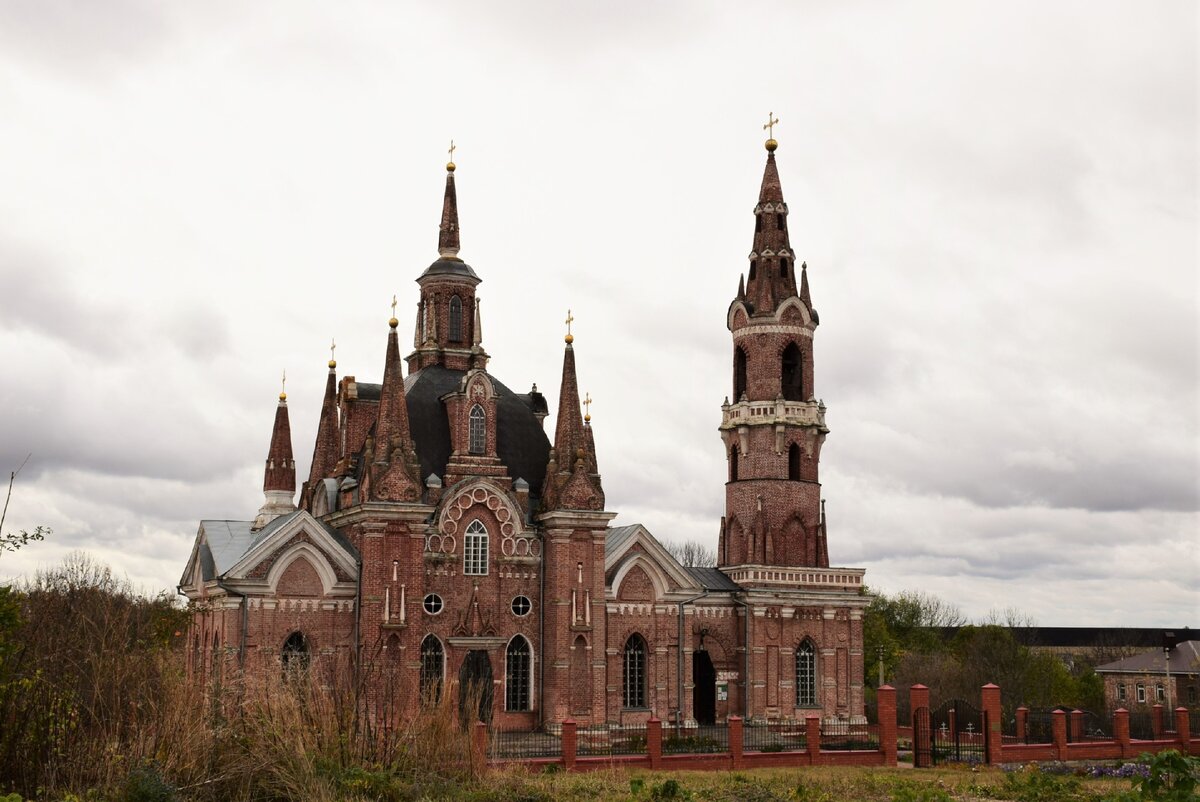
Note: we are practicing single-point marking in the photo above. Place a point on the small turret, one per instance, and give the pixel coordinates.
(279, 477)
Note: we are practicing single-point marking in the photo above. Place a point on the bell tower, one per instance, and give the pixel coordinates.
(772, 424)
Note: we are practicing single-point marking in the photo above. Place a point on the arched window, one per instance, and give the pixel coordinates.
(739, 374)
(792, 373)
(634, 678)
(806, 675)
(783, 268)
(455, 319)
(794, 463)
(757, 223)
(433, 667)
(295, 655)
(517, 674)
(733, 464)
(779, 222)
(753, 268)
(478, 430)
(475, 549)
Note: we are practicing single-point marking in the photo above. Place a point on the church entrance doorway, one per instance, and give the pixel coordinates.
(475, 688)
(704, 694)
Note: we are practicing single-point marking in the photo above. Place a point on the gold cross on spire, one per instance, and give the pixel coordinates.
(587, 406)
(332, 347)
(283, 387)
(772, 121)
(452, 149)
(393, 306)
(570, 319)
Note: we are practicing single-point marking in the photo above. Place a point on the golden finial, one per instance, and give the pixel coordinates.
(587, 407)
(450, 164)
(772, 121)
(393, 322)
(332, 348)
(283, 388)
(570, 319)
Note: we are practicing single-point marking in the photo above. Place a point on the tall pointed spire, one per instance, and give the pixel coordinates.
(568, 433)
(394, 472)
(325, 452)
(572, 481)
(772, 277)
(448, 243)
(279, 476)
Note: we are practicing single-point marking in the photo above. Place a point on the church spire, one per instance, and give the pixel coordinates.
(568, 433)
(279, 476)
(448, 243)
(772, 277)
(572, 480)
(394, 475)
(325, 452)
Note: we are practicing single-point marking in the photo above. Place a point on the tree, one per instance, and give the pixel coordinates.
(692, 554)
(11, 541)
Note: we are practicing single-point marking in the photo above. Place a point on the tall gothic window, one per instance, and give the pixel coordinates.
(733, 464)
(295, 654)
(634, 678)
(517, 673)
(433, 667)
(475, 549)
(739, 374)
(794, 463)
(478, 430)
(455, 319)
(806, 675)
(793, 373)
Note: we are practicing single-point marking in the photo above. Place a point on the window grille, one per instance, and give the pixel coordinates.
(432, 666)
(455, 319)
(806, 675)
(516, 675)
(475, 550)
(521, 605)
(634, 685)
(478, 430)
(433, 603)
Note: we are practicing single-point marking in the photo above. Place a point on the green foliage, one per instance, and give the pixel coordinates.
(919, 792)
(1173, 777)
(669, 790)
(1034, 785)
(145, 783)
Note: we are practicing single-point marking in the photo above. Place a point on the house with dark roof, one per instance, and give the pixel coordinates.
(445, 543)
(1167, 676)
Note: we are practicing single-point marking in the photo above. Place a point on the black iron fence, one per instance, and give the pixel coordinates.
(1092, 727)
(1141, 726)
(843, 736)
(704, 739)
(776, 736)
(604, 741)
(514, 745)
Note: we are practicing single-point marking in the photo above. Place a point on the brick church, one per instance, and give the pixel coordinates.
(443, 543)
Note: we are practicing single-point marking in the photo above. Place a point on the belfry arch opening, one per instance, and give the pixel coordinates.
(739, 374)
(792, 373)
(794, 463)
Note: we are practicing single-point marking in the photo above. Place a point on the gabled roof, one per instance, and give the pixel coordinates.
(712, 579)
(620, 556)
(1185, 659)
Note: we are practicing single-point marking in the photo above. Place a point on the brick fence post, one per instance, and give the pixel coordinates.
(479, 745)
(812, 734)
(1156, 721)
(654, 741)
(885, 695)
(1059, 728)
(570, 743)
(1022, 723)
(1182, 727)
(1076, 725)
(1121, 730)
(736, 742)
(993, 717)
(918, 702)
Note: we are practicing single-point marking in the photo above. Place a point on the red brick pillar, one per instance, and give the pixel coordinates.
(1022, 723)
(479, 746)
(570, 743)
(736, 736)
(1156, 721)
(654, 741)
(918, 701)
(1059, 723)
(1182, 725)
(885, 696)
(994, 717)
(1077, 725)
(812, 734)
(1121, 730)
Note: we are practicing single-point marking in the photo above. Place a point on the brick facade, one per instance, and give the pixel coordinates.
(443, 543)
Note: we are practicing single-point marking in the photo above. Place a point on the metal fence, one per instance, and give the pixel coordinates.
(1141, 726)
(520, 745)
(1039, 727)
(775, 736)
(704, 739)
(1094, 727)
(604, 741)
(843, 738)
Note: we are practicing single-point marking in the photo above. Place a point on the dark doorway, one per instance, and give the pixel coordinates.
(475, 688)
(704, 694)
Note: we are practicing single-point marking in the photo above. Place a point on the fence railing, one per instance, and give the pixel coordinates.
(1141, 726)
(605, 741)
(774, 736)
(521, 745)
(705, 739)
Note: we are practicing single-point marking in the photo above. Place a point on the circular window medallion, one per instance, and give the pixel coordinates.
(521, 606)
(433, 604)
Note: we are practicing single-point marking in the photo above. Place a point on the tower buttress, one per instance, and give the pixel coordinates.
(774, 428)
(394, 471)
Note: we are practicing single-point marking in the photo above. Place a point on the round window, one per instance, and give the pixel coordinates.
(521, 605)
(433, 604)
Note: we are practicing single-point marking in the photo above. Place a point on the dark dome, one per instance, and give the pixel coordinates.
(521, 443)
(450, 267)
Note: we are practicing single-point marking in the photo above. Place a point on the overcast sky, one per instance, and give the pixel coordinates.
(997, 203)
